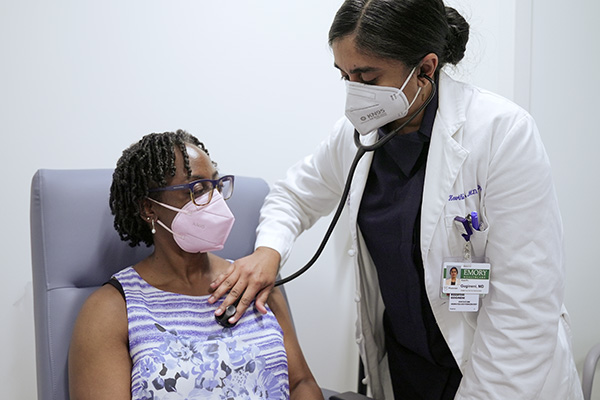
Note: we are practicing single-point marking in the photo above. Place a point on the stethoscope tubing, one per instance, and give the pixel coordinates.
(361, 150)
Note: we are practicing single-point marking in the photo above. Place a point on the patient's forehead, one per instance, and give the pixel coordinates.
(200, 164)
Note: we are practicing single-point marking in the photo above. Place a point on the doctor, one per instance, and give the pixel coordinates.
(468, 151)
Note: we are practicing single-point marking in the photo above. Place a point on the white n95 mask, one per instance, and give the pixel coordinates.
(370, 107)
(198, 229)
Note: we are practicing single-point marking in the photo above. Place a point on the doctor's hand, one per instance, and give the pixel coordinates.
(253, 276)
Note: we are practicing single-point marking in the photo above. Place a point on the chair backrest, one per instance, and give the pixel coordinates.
(75, 249)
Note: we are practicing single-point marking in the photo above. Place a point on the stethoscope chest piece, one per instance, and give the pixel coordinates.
(223, 319)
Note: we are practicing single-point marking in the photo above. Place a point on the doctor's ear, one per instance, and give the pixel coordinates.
(428, 66)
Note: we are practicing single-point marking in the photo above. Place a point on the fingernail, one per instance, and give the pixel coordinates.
(218, 311)
(211, 299)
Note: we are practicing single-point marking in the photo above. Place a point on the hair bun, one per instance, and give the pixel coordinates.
(458, 35)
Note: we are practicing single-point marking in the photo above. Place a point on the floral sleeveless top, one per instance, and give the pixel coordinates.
(179, 351)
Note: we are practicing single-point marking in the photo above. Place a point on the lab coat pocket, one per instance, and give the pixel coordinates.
(456, 242)
(479, 241)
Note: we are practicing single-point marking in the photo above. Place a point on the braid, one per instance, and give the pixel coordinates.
(142, 166)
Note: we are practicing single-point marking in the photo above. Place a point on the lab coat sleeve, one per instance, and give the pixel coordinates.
(516, 335)
(310, 190)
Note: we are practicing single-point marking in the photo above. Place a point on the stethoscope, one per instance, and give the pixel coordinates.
(361, 151)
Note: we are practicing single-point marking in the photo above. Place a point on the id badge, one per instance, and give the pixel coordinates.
(463, 302)
(466, 278)
(464, 283)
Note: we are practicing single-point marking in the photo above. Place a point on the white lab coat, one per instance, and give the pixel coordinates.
(486, 156)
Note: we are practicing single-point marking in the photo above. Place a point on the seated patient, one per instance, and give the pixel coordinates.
(151, 333)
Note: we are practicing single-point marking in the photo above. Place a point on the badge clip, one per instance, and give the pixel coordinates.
(467, 224)
(466, 227)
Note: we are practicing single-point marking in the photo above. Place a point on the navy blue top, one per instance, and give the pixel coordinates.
(389, 219)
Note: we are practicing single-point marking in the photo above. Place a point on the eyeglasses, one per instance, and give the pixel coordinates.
(202, 187)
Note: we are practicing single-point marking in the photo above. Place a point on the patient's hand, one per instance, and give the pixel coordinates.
(253, 275)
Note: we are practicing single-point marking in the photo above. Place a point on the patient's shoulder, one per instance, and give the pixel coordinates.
(104, 310)
(99, 350)
(106, 298)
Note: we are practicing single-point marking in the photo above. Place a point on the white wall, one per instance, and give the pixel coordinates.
(80, 81)
(564, 100)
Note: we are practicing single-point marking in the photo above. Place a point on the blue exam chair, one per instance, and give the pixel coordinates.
(75, 249)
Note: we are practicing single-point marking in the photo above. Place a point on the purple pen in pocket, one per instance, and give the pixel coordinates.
(475, 220)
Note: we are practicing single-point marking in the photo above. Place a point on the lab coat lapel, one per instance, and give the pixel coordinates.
(444, 160)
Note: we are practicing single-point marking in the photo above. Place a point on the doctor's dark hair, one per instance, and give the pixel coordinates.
(145, 165)
(403, 30)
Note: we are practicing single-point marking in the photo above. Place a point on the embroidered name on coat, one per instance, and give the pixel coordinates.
(462, 196)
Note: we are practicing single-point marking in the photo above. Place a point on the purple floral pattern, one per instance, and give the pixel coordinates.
(223, 367)
(180, 352)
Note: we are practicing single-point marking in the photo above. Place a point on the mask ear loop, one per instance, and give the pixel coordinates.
(416, 97)
(406, 83)
(159, 221)
(168, 206)
(408, 78)
(166, 227)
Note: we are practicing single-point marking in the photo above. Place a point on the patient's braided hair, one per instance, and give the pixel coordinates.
(145, 165)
